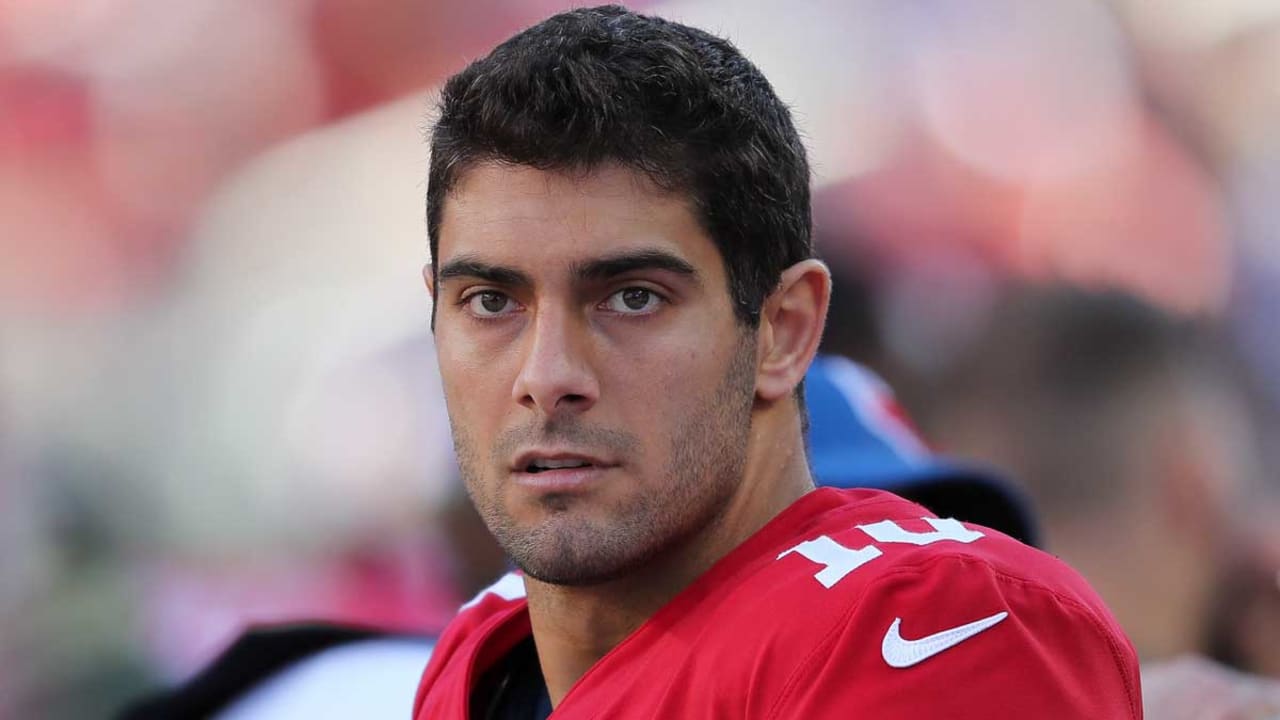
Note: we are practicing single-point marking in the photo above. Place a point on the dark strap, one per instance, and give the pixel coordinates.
(259, 654)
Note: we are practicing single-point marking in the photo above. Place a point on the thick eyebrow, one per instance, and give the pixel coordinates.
(612, 266)
(471, 267)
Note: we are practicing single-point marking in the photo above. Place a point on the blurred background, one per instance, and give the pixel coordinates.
(1055, 227)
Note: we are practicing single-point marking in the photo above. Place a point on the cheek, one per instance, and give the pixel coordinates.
(674, 368)
(645, 375)
(470, 369)
(655, 384)
(452, 380)
(470, 397)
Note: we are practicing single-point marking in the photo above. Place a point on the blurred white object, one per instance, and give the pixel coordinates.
(303, 338)
(370, 679)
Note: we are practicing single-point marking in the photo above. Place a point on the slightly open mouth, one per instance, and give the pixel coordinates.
(539, 466)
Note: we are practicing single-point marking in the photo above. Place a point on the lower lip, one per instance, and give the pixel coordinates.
(561, 479)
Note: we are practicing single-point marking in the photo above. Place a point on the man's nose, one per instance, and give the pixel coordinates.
(556, 375)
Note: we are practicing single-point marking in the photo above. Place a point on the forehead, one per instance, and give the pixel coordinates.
(522, 215)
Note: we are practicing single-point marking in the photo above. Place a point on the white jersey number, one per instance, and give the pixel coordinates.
(837, 561)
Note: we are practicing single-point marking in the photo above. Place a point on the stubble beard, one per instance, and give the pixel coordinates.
(708, 457)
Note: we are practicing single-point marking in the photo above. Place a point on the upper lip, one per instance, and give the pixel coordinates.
(526, 458)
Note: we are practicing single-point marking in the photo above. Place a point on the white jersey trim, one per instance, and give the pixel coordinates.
(508, 587)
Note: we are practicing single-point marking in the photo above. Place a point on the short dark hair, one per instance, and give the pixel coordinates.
(600, 85)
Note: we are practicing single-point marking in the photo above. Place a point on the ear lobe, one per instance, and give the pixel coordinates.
(791, 323)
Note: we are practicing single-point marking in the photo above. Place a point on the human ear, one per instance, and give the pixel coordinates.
(429, 277)
(791, 323)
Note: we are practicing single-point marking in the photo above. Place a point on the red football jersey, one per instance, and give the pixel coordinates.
(849, 604)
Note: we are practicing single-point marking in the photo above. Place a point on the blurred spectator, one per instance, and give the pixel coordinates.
(1131, 433)
(1245, 630)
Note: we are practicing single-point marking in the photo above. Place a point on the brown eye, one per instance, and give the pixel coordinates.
(490, 303)
(633, 301)
(636, 298)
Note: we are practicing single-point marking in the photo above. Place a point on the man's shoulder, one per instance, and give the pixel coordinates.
(861, 538)
(883, 590)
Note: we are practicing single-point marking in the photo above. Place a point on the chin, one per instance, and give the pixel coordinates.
(558, 572)
(559, 554)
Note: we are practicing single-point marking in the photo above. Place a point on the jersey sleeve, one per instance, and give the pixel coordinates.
(955, 638)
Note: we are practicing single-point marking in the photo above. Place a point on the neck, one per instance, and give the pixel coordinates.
(574, 627)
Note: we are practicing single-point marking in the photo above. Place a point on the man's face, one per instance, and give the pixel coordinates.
(598, 384)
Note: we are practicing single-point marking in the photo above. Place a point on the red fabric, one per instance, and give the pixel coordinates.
(758, 636)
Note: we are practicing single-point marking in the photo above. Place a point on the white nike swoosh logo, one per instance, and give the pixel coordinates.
(902, 653)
